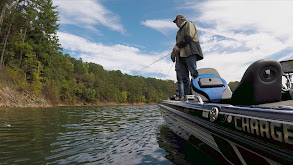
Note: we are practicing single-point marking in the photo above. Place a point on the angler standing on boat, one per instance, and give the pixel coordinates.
(188, 47)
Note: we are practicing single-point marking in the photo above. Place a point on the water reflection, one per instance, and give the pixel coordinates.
(89, 135)
(180, 151)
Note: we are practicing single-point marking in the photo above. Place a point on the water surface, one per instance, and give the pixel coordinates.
(92, 135)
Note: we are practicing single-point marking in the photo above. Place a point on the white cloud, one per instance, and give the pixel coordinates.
(163, 26)
(265, 16)
(116, 57)
(88, 14)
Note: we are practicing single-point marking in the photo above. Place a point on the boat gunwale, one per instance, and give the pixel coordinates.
(266, 114)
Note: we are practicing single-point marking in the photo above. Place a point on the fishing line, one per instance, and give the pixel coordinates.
(151, 64)
(170, 69)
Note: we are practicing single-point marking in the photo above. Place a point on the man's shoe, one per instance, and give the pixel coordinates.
(179, 98)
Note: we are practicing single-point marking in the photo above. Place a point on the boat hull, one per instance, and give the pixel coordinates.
(226, 132)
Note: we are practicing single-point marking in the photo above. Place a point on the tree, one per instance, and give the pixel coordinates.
(13, 11)
(3, 7)
(124, 96)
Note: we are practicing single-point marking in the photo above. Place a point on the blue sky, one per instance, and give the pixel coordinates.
(128, 35)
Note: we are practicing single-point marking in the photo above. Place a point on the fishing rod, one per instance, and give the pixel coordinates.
(151, 64)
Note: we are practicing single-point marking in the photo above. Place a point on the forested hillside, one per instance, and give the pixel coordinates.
(32, 60)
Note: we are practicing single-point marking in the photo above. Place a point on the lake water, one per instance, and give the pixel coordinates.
(92, 135)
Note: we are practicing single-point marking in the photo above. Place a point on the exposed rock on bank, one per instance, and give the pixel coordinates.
(12, 98)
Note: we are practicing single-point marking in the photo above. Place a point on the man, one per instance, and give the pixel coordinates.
(187, 45)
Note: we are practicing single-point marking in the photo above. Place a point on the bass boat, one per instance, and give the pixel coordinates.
(251, 125)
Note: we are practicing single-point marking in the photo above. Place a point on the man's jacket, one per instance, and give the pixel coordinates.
(187, 41)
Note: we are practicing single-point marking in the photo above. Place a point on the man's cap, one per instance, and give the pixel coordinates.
(179, 16)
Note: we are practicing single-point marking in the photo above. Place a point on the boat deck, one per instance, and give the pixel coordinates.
(282, 104)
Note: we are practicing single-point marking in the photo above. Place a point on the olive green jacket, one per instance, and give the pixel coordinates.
(187, 41)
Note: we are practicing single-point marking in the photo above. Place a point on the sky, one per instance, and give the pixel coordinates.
(129, 35)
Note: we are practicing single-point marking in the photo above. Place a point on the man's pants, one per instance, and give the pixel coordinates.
(186, 65)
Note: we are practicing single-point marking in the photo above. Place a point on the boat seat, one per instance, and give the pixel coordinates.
(261, 83)
(210, 86)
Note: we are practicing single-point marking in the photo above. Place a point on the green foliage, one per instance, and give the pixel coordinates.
(16, 78)
(123, 96)
(233, 85)
(31, 54)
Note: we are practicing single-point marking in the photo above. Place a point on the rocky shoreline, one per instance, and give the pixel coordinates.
(16, 99)
(11, 98)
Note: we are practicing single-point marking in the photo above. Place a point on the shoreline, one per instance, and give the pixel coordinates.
(103, 104)
(10, 98)
(75, 105)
